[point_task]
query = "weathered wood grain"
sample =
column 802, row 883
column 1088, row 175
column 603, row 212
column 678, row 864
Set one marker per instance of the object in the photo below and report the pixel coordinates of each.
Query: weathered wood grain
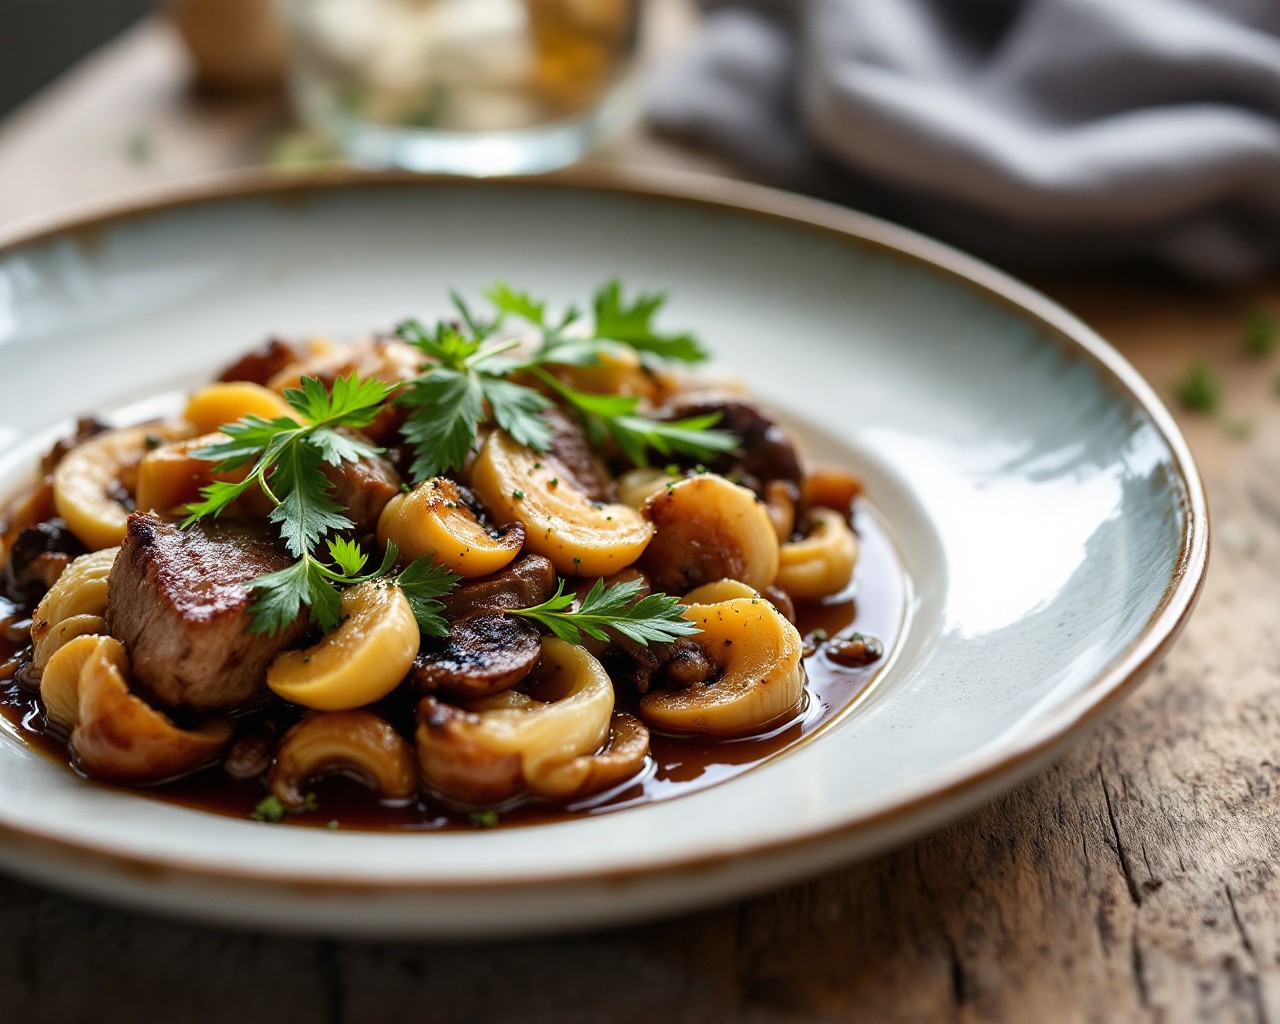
column 1134, row 880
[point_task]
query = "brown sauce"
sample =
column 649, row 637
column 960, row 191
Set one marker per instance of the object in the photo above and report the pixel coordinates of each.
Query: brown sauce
column 873, row 604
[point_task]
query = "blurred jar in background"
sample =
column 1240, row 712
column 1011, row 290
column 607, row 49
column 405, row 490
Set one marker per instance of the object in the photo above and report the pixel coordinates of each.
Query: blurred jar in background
column 462, row 86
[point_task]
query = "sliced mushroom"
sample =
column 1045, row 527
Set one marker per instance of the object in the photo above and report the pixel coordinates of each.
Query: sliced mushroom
column 91, row 480
column 822, row 563
column 707, row 529
column 579, row 536
column 361, row 661
column 483, row 655
column 358, row 744
column 38, row 555
column 119, row 738
column 589, row 774
column 529, row 580
column 510, row 743
column 765, row 451
column 761, row 680
column 441, row 518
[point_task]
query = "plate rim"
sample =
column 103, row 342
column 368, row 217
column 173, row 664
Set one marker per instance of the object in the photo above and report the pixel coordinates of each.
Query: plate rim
column 903, row 818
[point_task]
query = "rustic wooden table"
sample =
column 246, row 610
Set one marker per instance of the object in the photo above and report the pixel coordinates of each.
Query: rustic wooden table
column 1135, row 879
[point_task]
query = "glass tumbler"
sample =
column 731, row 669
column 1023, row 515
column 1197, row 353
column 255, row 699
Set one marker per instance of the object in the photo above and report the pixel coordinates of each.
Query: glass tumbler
column 475, row 87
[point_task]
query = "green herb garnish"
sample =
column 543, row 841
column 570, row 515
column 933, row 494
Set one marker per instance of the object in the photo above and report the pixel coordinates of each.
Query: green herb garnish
column 655, row 617
column 468, row 380
column 269, row 809
column 483, row 819
column 1260, row 334
column 1201, row 389
column 287, row 456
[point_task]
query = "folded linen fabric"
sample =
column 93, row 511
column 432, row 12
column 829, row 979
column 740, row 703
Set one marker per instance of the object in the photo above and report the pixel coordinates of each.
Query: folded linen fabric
column 1041, row 132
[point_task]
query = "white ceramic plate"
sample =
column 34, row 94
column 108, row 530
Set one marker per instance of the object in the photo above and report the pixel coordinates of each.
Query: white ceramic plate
column 1046, row 510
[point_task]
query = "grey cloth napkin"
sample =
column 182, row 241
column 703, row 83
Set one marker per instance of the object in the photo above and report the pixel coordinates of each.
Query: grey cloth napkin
column 1033, row 132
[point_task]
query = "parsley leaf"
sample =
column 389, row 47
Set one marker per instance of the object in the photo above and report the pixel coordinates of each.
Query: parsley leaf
column 509, row 301
column 616, row 417
column 655, row 617
column 422, row 582
column 632, row 325
column 279, row 598
column 445, row 411
column 286, row 457
column 469, row 380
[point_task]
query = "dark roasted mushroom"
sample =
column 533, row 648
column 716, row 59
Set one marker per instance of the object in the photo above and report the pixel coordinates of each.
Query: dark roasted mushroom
column 765, row 452
column 39, row 555
column 529, row 580
column 483, row 655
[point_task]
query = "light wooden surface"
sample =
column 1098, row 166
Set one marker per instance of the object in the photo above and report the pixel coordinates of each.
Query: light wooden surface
column 1135, row 880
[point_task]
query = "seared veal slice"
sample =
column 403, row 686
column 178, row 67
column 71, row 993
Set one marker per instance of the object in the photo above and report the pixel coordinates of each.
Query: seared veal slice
column 178, row 601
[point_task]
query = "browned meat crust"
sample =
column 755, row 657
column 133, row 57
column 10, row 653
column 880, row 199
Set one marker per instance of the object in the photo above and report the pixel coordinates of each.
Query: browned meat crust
column 178, row 601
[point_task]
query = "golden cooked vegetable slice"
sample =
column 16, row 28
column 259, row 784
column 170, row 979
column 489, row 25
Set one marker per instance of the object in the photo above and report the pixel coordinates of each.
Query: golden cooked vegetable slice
column 436, row 518
column 354, row 743
column 74, row 606
column 515, row 741
column 361, row 661
column 579, row 536
column 218, row 404
column 171, row 476
column 589, row 774
column 120, row 738
column 60, row 680
column 823, row 562
column 636, row 485
column 708, row 529
column 758, row 652
column 719, row 590
column 780, row 498
column 90, row 479
column 831, row 487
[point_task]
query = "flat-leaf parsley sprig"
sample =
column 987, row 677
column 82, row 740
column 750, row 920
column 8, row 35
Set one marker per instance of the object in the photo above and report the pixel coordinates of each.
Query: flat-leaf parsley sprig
column 615, row 321
column 471, row 367
column 286, row 456
column 653, row 618
column 312, row 582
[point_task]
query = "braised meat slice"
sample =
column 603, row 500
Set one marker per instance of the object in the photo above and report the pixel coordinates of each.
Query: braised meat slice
column 529, row 580
column 273, row 356
column 570, row 447
column 178, row 601
column 483, row 655
column 363, row 488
